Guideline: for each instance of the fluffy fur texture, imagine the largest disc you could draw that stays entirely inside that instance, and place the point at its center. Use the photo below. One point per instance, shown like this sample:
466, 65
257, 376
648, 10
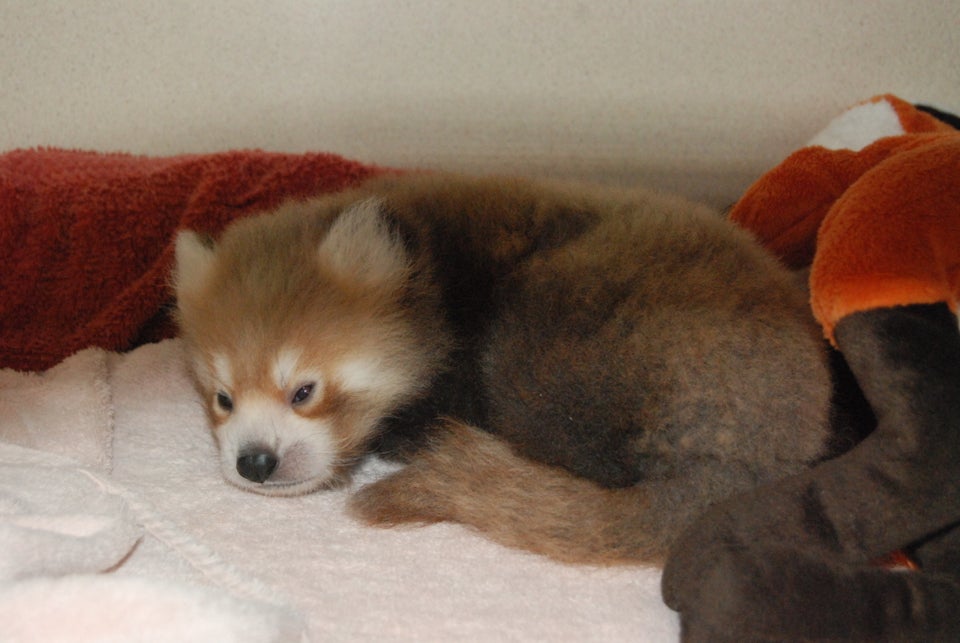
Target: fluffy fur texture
795, 560
609, 362
791, 561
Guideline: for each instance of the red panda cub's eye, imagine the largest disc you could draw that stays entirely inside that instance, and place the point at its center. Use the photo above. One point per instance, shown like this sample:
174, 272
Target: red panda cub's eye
303, 394
224, 401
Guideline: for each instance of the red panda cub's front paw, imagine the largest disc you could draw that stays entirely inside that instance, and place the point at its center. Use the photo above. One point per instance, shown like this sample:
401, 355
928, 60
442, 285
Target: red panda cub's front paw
459, 477
403, 497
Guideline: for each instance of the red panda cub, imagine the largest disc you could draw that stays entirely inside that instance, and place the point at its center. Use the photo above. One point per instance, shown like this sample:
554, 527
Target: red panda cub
573, 370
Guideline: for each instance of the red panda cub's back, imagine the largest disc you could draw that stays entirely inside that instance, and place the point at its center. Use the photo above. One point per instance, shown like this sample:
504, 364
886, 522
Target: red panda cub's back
573, 370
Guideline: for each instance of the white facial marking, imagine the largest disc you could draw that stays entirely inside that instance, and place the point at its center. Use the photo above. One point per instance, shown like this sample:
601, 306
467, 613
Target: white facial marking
288, 378
364, 374
223, 370
284, 367
305, 449
358, 375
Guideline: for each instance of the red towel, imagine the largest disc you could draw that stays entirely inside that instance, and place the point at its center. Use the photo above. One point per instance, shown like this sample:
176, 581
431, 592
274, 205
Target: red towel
86, 238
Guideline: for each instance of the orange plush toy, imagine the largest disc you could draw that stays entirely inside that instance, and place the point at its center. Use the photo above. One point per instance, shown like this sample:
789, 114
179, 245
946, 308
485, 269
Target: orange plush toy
872, 206
880, 222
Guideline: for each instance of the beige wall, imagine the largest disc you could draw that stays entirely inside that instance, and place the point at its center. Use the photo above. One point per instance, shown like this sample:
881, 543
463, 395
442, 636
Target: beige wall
695, 94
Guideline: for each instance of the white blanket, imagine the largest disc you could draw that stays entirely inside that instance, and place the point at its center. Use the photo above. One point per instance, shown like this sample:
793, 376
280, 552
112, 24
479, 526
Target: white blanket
116, 525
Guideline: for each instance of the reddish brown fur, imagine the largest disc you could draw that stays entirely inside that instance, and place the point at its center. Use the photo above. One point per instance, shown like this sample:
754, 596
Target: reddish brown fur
630, 357
469, 476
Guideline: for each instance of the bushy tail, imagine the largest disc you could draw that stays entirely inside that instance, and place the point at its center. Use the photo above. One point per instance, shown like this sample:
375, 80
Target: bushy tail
471, 477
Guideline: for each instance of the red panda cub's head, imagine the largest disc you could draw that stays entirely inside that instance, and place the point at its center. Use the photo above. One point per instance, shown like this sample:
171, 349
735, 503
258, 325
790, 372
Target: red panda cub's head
305, 327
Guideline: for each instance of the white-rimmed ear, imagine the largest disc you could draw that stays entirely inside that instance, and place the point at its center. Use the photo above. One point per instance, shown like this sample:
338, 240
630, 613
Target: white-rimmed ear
360, 245
192, 264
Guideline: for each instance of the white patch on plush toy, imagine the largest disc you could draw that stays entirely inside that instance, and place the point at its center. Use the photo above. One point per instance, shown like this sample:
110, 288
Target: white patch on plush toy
860, 126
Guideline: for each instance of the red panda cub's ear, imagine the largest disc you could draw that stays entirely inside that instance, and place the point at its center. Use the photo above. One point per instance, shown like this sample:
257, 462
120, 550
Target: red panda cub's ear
192, 265
362, 246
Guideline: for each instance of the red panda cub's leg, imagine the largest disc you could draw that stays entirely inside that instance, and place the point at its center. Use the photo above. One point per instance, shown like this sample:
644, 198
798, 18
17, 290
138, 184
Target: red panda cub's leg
625, 396
471, 477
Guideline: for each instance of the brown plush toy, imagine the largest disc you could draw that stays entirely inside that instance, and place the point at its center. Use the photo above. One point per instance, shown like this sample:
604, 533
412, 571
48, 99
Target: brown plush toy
873, 207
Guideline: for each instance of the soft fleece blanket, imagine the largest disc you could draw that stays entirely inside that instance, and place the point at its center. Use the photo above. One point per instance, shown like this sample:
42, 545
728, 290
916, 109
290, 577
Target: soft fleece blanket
115, 524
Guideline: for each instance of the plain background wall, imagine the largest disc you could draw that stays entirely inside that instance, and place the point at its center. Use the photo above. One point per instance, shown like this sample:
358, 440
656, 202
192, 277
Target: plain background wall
697, 95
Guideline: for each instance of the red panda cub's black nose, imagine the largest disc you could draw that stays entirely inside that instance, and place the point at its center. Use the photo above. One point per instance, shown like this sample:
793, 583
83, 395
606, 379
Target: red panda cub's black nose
257, 464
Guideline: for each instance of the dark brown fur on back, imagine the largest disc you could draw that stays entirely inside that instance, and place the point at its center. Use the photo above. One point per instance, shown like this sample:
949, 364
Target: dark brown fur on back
612, 361
636, 341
